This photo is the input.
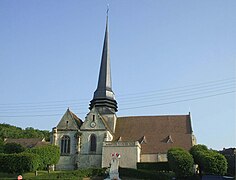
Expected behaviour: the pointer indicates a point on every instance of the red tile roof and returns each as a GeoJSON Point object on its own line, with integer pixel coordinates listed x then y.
{"type": "Point", "coordinates": [156, 134]}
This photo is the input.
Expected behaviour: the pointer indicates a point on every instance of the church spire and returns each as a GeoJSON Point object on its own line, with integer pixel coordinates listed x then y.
{"type": "Point", "coordinates": [104, 96]}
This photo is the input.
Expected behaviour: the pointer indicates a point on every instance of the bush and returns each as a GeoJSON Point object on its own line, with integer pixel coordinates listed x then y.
{"type": "Point", "coordinates": [18, 163]}
{"type": "Point", "coordinates": [158, 166]}
{"type": "Point", "coordinates": [144, 174]}
{"type": "Point", "coordinates": [48, 154]}
{"type": "Point", "coordinates": [181, 162]}
{"type": "Point", "coordinates": [11, 148]}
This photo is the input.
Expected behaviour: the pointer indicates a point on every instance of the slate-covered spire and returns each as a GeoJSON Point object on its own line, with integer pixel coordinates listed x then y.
{"type": "Point", "coordinates": [104, 96]}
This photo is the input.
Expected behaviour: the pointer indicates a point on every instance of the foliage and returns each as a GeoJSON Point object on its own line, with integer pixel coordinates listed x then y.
{"type": "Point", "coordinates": [144, 174]}
{"type": "Point", "coordinates": [209, 161]}
{"type": "Point", "coordinates": [181, 162]}
{"type": "Point", "coordinates": [158, 166]}
{"type": "Point", "coordinates": [213, 163]}
{"type": "Point", "coordinates": [9, 131]}
{"type": "Point", "coordinates": [231, 160]}
{"type": "Point", "coordinates": [18, 163]}
{"type": "Point", "coordinates": [11, 148]}
{"type": "Point", "coordinates": [48, 154]}
{"type": "Point", "coordinates": [1, 146]}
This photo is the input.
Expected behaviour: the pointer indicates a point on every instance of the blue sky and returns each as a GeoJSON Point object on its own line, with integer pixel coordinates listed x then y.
{"type": "Point", "coordinates": [167, 57]}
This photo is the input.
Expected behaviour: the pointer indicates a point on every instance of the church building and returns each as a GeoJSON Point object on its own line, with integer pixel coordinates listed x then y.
{"type": "Point", "coordinates": [90, 142]}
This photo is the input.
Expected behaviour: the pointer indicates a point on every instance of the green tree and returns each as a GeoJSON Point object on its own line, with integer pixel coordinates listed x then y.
{"type": "Point", "coordinates": [9, 131]}
{"type": "Point", "coordinates": [11, 148]}
{"type": "Point", "coordinates": [195, 151]}
{"type": "Point", "coordinates": [209, 161]}
{"type": "Point", "coordinates": [48, 154]}
{"type": "Point", "coordinates": [181, 162]}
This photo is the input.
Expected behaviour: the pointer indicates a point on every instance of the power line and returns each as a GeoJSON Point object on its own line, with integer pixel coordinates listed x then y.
{"type": "Point", "coordinates": [122, 96]}
{"type": "Point", "coordinates": [167, 92]}
{"type": "Point", "coordinates": [184, 100]}
{"type": "Point", "coordinates": [135, 107]}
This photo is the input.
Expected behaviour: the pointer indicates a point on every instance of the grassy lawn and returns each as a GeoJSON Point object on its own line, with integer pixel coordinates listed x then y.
{"type": "Point", "coordinates": [97, 174]}
{"type": "Point", "coordinates": [76, 174]}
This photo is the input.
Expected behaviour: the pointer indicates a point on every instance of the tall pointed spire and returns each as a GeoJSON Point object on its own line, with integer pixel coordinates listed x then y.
{"type": "Point", "coordinates": [104, 96]}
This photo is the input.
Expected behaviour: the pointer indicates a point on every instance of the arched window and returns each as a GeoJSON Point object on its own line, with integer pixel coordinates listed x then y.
{"type": "Point", "coordinates": [65, 145]}
{"type": "Point", "coordinates": [93, 143]}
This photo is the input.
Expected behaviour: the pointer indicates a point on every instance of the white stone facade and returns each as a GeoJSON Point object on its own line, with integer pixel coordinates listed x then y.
{"type": "Point", "coordinates": [67, 161]}
{"type": "Point", "coordinates": [129, 151]}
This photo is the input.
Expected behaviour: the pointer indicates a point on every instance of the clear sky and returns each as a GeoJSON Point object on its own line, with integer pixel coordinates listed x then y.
{"type": "Point", "coordinates": [167, 57]}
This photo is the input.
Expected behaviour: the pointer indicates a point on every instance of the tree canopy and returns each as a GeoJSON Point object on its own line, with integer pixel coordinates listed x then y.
{"type": "Point", "coordinates": [209, 161]}
{"type": "Point", "coordinates": [49, 155]}
{"type": "Point", "coordinates": [181, 162]}
{"type": "Point", "coordinates": [9, 131]}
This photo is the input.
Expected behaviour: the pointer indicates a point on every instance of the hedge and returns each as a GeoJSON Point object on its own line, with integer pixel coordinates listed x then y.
{"type": "Point", "coordinates": [158, 166]}
{"type": "Point", "coordinates": [18, 163]}
{"type": "Point", "coordinates": [144, 174]}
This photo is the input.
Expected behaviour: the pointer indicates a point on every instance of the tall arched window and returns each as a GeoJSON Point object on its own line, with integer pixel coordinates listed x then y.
{"type": "Point", "coordinates": [65, 145]}
{"type": "Point", "coordinates": [93, 143]}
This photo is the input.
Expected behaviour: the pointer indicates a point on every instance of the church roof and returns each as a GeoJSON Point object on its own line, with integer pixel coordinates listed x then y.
{"type": "Point", "coordinates": [156, 134]}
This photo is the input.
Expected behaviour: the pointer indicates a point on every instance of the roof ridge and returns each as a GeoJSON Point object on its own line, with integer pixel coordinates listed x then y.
{"type": "Point", "coordinates": [155, 116]}
{"type": "Point", "coordinates": [103, 120]}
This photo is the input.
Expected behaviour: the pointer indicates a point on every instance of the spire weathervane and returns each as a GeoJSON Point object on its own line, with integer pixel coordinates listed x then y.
{"type": "Point", "coordinates": [107, 9]}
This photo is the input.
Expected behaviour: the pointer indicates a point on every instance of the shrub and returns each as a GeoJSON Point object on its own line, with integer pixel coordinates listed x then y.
{"type": "Point", "coordinates": [181, 162]}
{"type": "Point", "coordinates": [145, 174]}
{"type": "Point", "coordinates": [10, 148]}
{"type": "Point", "coordinates": [18, 163]}
{"type": "Point", "coordinates": [48, 154]}
{"type": "Point", "coordinates": [158, 166]}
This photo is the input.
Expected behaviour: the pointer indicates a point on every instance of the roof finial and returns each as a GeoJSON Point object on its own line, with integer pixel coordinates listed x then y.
{"type": "Point", "coordinates": [107, 9]}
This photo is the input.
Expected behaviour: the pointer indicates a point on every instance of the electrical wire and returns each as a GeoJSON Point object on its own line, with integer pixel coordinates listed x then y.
{"type": "Point", "coordinates": [147, 99]}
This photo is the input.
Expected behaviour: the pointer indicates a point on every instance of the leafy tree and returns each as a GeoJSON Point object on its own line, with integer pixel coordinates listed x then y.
{"type": "Point", "coordinates": [9, 131]}
{"type": "Point", "coordinates": [181, 162]}
{"type": "Point", "coordinates": [197, 156]}
{"type": "Point", "coordinates": [209, 161]}
{"type": "Point", "coordinates": [11, 148]}
{"type": "Point", "coordinates": [231, 160]}
{"type": "Point", "coordinates": [48, 154]}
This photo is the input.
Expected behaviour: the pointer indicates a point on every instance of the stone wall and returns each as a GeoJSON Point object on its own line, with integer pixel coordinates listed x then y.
{"type": "Point", "coordinates": [129, 151]}
{"type": "Point", "coordinates": [66, 162]}
{"type": "Point", "coordinates": [160, 157]}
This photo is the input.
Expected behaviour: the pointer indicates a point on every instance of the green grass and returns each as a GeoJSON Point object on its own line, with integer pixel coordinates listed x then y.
{"type": "Point", "coordinates": [76, 174]}
{"type": "Point", "coordinates": [125, 173]}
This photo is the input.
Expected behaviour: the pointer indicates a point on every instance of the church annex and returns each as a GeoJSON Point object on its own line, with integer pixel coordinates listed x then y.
{"type": "Point", "coordinates": [91, 142]}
